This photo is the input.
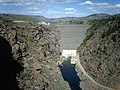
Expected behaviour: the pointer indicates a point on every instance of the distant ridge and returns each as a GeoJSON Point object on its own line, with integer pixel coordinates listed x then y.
{"type": "Point", "coordinates": [97, 16]}
{"type": "Point", "coordinates": [92, 16]}
{"type": "Point", "coordinates": [41, 18]}
{"type": "Point", "coordinates": [13, 17]}
{"type": "Point", "coordinates": [61, 20]}
{"type": "Point", "coordinates": [100, 14]}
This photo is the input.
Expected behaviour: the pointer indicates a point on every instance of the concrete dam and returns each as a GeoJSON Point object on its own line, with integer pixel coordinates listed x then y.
{"type": "Point", "coordinates": [72, 36]}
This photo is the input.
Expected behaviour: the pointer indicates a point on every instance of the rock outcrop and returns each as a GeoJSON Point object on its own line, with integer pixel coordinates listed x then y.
{"type": "Point", "coordinates": [100, 52]}
{"type": "Point", "coordinates": [37, 49]}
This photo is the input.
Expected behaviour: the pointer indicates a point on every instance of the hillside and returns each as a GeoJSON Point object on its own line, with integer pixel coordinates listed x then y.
{"type": "Point", "coordinates": [30, 54]}
{"type": "Point", "coordinates": [79, 20]}
{"type": "Point", "coordinates": [13, 17]}
{"type": "Point", "coordinates": [97, 16]}
{"type": "Point", "coordinates": [72, 20]}
{"type": "Point", "coordinates": [100, 51]}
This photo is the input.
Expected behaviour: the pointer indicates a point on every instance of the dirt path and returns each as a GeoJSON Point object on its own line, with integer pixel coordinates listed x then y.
{"type": "Point", "coordinates": [84, 72]}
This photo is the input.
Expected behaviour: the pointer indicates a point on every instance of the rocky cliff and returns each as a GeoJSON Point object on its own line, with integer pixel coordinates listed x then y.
{"type": "Point", "coordinates": [36, 49]}
{"type": "Point", "coordinates": [100, 52]}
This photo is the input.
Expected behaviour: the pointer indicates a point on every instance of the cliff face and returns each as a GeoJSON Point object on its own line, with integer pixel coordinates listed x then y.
{"type": "Point", "coordinates": [36, 48]}
{"type": "Point", "coordinates": [100, 52]}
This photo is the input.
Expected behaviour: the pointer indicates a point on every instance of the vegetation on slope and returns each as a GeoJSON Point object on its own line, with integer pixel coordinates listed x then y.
{"type": "Point", "coordinates": [13, 17]}
{"type": "Point", "coordinates": [99, 53]}
{"type": "Point", "coordinates": [111, 24]}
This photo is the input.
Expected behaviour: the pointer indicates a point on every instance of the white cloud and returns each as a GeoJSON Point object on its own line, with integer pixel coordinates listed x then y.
{"type": "Point", "coordinates": [32, 8]}
{"type": "Point", "coordinates": [5, 4]}
{"type": "Point", "coordinates": [32, 2]}
{"type": "Point", "coordinates": [93, 4]}
{"type": "Point", "coordinates": [90, 8]}
{"type": "Point", "coordinates": [50, 11]}
{"type": "Point", "coordinates": [35, 12]}
{"type": "Point", "coordinates": [16, 2]}
{"type": "Point", "coordinates": [62, 1]}
{"type": "Point", "coordinates": [12, 1]}
{"type": "Point", "coordinates": [70, 1]}
{"type": "Point", "coordinates": [86, 3]}
{"type": "Point", "coordinates": [11, 11]}
{"type": "Point", "coordinates": [70, 10]}
{"type": "Point", "coordinates": [117, 5]}
{"type": "Point", "coordinates": [101, 7]}
{"type": "Point", "coordinates": [99, 4]}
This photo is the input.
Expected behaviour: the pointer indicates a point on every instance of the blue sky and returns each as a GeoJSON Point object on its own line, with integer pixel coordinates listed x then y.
{"type": "Point", "coordinates": [59, 8]}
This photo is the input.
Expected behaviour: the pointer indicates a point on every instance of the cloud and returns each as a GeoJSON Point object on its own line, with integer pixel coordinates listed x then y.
{"type": "Point", "coordinates": [70, 10]}
{"type": "Point", "coordinates": [32, 8]}
{"type": "Point", "coordinates": [100, 7]}
{"type": "Point", "coordinates": [34, 12]}
{"type": "Point", "coordinates": [89, 8]}
{"type": "Point", "coordinates": [50, 11]}
{"type": "Point", "coordinates": [37, 11]}
{"type": "Point", "coordinates": [93, 4]}
{"type": "Point", "coordinates": [32, 2]}
{"type": "Point", "coordinates": [16, 2]}
{"type": "Point", "coordinates": [10, 1]}
{"type": "Point", "coordinates": [70, 1]}
{"type": "Point", "coordinates": [117, 5]}
{"type": "Point", "coordinates": [62, 1]}
{"type": "Point", "coordinates": [11, 12]}
{"type": "Point", "coordinates": [86, 3]}
{"type": "Point", "coordinates": [101, 4]}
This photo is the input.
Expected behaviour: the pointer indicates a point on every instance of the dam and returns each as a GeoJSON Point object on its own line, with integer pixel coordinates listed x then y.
{"type": "Point", "coordinates": [72, 36]}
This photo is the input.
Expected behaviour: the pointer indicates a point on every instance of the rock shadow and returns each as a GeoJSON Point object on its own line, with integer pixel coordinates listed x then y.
{"type": "Point", "coordinates": [9, 68]}
{"type": "Point", "coordinates": [70, 75]}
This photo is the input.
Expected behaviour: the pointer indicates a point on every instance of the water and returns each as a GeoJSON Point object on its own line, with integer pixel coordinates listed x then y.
{"type": "Point", "coordinates": [70, 75]}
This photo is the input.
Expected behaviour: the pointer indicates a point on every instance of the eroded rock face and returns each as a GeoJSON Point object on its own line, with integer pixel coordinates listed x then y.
{"type": "Point", "coordinates": [100, 52]}
{"type": "Point", "coordinates": [37, 49]}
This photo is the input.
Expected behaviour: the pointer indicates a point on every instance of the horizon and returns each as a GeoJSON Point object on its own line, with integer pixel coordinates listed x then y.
{"type": "Point", "coordinates": [57, 17]}
{"type": "Point", "coordinates": [59, 8]}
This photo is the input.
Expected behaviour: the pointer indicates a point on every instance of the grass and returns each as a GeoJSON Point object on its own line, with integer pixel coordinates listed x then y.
{"type": "Point", "coordinates": [12, 17]}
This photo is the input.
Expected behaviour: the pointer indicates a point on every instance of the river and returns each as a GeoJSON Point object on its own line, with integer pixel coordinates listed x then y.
{"type": "Point", "coordinates": [70, 75]}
